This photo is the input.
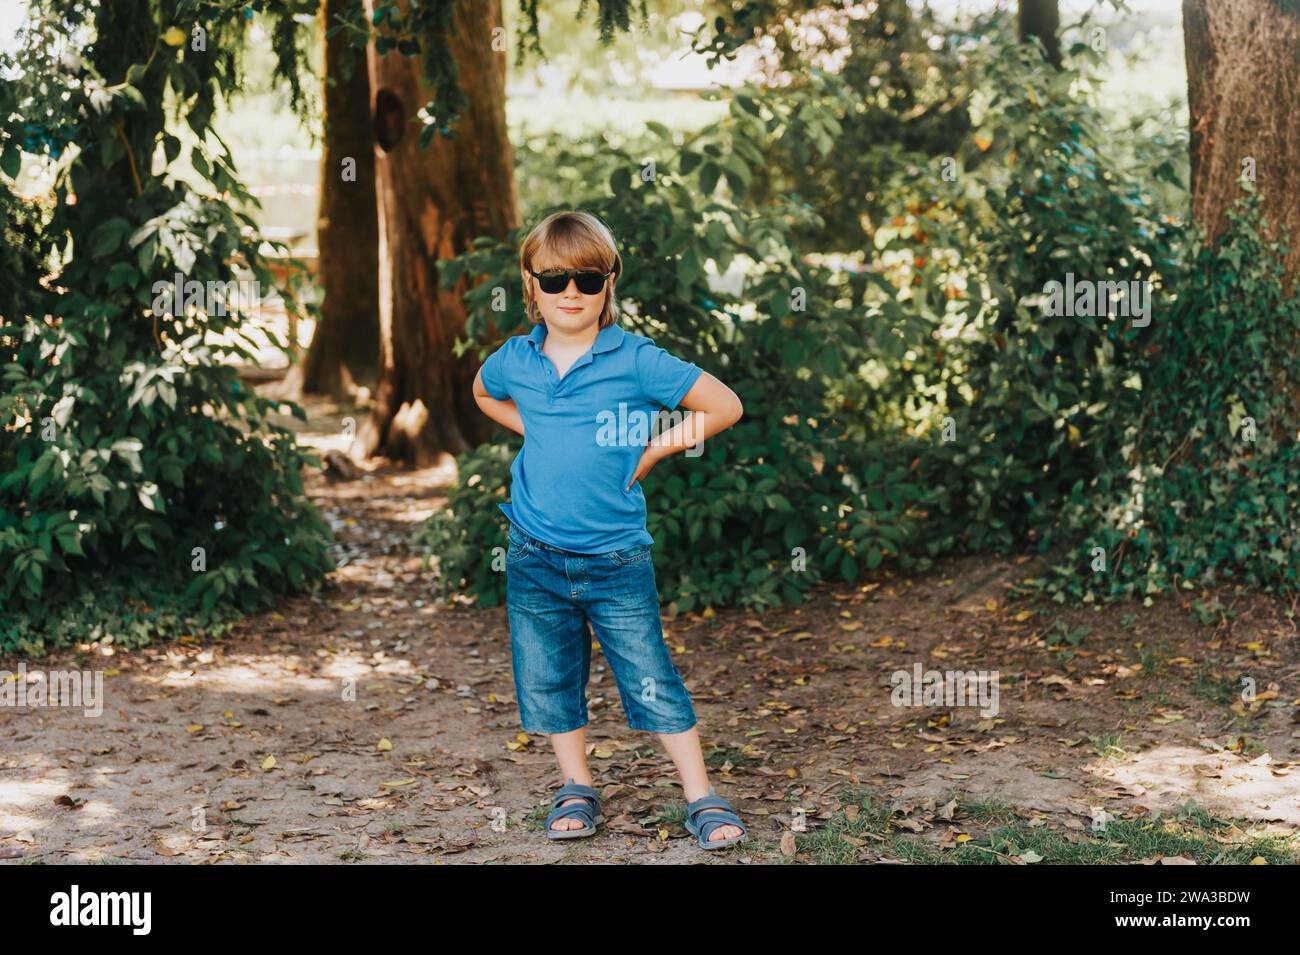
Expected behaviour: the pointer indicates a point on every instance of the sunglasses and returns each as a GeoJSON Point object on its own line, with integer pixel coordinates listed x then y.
{"type": "Point", "coordinates": [554, 281]}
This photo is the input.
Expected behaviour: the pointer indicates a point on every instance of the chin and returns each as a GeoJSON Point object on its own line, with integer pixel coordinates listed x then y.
{"type": "Point", "coordinates": [573, 320]}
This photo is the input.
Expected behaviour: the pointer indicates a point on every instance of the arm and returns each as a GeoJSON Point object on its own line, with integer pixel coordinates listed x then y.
{"type": "Point", "coordinates": [504, 413]}
{"type": "Point", "coordinates": [714, 408]}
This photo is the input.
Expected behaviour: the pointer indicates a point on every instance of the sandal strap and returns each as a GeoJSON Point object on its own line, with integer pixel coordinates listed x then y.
{"type": "Point", "coordinates": [709, 802]}
{"type": "Point", "coordinates": [723, 814]}
{"type": "Point", "coordinates": [574, 790]}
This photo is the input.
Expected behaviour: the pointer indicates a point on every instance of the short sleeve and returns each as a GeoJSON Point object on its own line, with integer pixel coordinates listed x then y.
{"type": "Point", "coordinates": [493, 374]}
{"type": "Point", "coordinates": [664, 377]}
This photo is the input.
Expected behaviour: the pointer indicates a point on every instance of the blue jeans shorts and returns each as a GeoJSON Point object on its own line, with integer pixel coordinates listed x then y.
{"type": "Point", "coordinates": [551, 597]}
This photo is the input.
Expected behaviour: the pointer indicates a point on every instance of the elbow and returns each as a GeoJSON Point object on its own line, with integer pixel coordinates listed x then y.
{"type": "Point", "coordinates": [737, 412]}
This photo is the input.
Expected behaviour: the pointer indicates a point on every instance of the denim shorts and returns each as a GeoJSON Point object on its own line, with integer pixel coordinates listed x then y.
{"type": "Point", "coordinates": [551, 597]}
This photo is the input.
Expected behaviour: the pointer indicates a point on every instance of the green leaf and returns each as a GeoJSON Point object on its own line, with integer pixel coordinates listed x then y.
{"type": "Point", "coordinates": [171, 148]}
{"type": "Point", "coordinates": [11, 161]}
{"type": "Point", "coordinates": [107, 236]}
{"type": "Point", "coordinates": [710, 172]}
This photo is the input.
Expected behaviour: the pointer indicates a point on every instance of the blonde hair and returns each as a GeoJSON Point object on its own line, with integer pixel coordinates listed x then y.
{"type": "Point", "coordinates": [572, 240]}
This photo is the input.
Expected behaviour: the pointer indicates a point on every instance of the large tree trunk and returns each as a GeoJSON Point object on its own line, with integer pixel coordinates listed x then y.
{"type": "Point", "coordinates": [432, 203]}
{"type": "Point", "coordinates": [1042, 18]}
{"type": "Point", "coordinates": [1243, 78]}
{"type": "Point", "coordinates": [345, 347]}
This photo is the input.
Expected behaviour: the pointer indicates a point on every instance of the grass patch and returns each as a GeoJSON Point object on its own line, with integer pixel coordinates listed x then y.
{"type": "Point", "coordinates": [1107, 746]}
{"type": "Point", "coordinates": [1210, 684]}
{"type": "Point", "coordinates": [868, 828]}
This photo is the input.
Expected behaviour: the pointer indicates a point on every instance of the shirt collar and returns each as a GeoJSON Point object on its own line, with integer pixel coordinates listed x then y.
{"type": "Point", "coordinates": [609, 337]}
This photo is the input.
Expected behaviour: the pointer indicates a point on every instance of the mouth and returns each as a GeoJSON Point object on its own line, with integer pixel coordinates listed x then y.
{"type": "Point", "coordinates": [570, 308]}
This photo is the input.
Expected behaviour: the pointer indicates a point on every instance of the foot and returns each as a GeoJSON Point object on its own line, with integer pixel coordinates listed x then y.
{"type": "Point", "coordinates": [721, 832]}
{"type": "Point", "coordinates": [570, 822]}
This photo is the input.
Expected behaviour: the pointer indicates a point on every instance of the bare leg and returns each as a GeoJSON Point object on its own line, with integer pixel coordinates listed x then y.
{"type": "Point", "coordinates": [684, 750]}
{"type": "Point", "coordinates": [571, 751]}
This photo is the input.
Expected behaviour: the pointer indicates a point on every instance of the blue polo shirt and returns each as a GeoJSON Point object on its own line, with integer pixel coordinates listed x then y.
{"type": "Point", "coordinates": [584, 434]}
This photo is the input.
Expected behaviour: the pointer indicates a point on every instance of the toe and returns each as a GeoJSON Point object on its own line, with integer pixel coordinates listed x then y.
{"type": "Point", "coordinates": [724, 832]}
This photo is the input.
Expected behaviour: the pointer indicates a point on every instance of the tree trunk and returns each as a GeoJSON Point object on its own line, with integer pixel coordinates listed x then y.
{"type": "Point", "coordinates": [1041, 18]}
{"type": "Point", "coordinates": [432, 203]}
{"type": "Point", "coordinates": [345, 347]}
{"type": "Point", "coordinates": [1243, 74]}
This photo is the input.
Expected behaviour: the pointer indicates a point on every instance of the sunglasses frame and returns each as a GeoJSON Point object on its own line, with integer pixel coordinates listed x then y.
{"type": "Point", "coordinates": [569, 275]}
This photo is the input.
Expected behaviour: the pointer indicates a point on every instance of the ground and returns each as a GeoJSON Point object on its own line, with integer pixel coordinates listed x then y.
{"type": "Point", "coordinates": [252, 748]}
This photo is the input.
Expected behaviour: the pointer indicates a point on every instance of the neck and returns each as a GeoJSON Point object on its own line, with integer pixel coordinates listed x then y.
{"type": "Point", "coordinates": [569, 339]}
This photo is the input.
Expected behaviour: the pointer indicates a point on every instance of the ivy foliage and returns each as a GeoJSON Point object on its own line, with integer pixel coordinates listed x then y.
{"type": "Point", "coordinates": [143, 487]}
{"type": "Point", "coordinates": [1208, 488]}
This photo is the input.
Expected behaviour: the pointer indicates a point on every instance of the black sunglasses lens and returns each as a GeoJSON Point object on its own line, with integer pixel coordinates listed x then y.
{"type": "Point", "coordinates": [589, 283]}
{"type": "Point", "coordinates": [552, 282]}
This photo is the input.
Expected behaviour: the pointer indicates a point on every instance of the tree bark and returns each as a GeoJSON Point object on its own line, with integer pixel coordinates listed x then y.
{"type": "Point", "coordinates": [432, 203]}
{"type": "Point", "coordinates": [1041, 18]}
{"type": "Point", "coordinates": [1243, 80]}
{"type": "Point", "coordinates": [345, 347]}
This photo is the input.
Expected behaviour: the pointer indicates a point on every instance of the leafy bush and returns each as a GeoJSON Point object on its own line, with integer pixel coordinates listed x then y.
{"type": "Point", "coordinates": [1036, 403]}
{"type": "Point", "coordinates": [1208, 489]}
{"type": "Point", "coordinates": [906, 101]}
{"type": "Point", "coordinates": [144, 489]}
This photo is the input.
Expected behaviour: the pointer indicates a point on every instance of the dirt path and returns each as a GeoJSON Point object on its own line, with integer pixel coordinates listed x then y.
{"type": "Point", "coordinates": [794, 707]}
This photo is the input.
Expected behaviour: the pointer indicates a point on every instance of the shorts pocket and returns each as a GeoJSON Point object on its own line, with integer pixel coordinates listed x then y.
{"type": "Point", "coordinates": [630, 555]}
{"type": "Point", "coordinates": [518, 550]}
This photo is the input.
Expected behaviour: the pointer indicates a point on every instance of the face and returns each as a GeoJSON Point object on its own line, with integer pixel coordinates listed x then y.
{"type": "Point", "coordinates": [569, 309]}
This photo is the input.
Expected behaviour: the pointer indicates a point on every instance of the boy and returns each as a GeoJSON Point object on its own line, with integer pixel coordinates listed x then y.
{"type": "Point", "coordinates": [579, 550]}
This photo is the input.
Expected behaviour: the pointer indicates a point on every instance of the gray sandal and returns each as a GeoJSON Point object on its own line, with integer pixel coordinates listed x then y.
{"type": "Point", "coordinates": [706, 822]}
{"type": "Point", "coordinates": [587, 812]}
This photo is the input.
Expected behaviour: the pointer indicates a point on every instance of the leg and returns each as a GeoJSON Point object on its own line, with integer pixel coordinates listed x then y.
{"type": "Point", "coordinates": [571, 752]}
{"type": "Point", "coordinates": [684, 750]}
{"type": "Point", "coordinates": [624, 612]}
{"type": "Point", "coordinates": [551, 654]}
